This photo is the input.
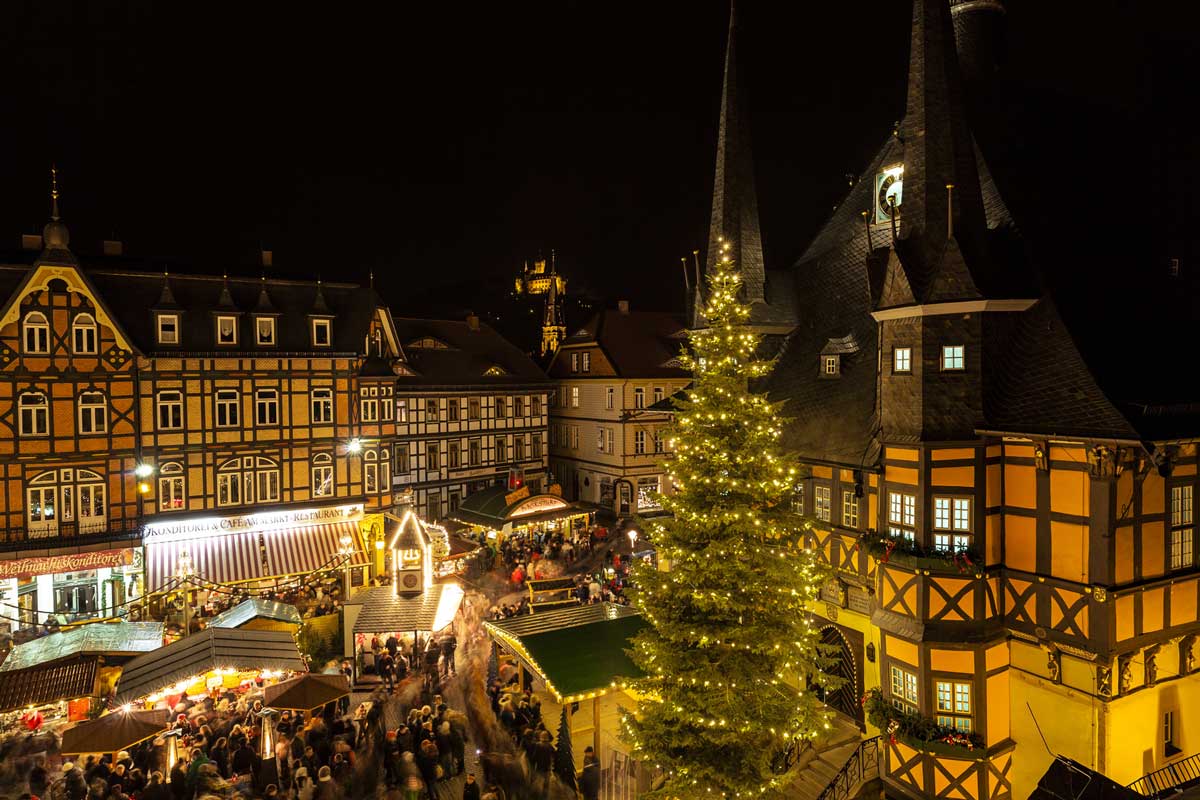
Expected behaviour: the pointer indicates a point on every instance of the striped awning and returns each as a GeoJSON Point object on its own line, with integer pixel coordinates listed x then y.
{"type": "Point", "coordinates": [230, 558]}
{"type": "Point", "coordinates": [297, 551]}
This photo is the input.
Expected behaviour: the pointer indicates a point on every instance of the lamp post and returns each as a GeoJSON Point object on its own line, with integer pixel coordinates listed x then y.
{"type": "Point", "coordinates": [184, 573]}
{"type": "Point", "coordinates": [346, 550]}
{"type": "Point", "coordinates": [633, 537]}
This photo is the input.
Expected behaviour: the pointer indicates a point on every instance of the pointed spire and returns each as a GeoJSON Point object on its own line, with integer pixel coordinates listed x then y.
{"type": "Point", "coordinates": [56, 239]}
{"type": "Point", "coordinates": [938, 147]}
{"type": "Point", "coordinates": [264, 299]}
{"type": "Point", "coordinates": [225, 300]}
{"type": "Point", "coordinates": [167, 298]}
{"type": "Point", "coordinates": [319, 305]}
{"type": "Point", "coordinates": [735, 201]}
{"type": "Point", "coordinates": [54, 193]}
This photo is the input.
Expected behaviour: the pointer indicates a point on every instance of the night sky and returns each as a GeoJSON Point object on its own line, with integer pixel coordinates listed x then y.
{"type": "Point", "coordinates": [444, 144]}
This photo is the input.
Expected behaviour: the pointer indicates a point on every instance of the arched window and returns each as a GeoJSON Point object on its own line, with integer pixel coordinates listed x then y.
{"type": "Point", "coordinates": [66, 496]}
{"type": "Point", "coordinates": [266, 474]}
{"type": "Point", "coordinates": [33, 414]}
{"type": "Point", "coordinates": [229, 483]}
{"type": "Point", "coordinates": [170, 487]}
{"type": "Point", "coordinates": [84, 335]}
{"type": "Point", "coordinates": [247, 480]}
{"type": "Point", "coordinates": [322, 475]}
{"type": "Point", "coordinates": [35, 333]}
{"type": "Point", "coordinates": [371, 473]}
{"type": "Point", "coordinates": [93, 413]}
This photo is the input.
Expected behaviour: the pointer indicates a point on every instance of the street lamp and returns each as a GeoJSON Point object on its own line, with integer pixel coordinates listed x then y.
{"type": "Point", "coordinates": [354, 445]}
{"type": "Point", "coordinates": [633, 537]}
{"type": "Point", "coordinates": [347, 550]}
{"type": "Point", "coordinates": [184, 572]}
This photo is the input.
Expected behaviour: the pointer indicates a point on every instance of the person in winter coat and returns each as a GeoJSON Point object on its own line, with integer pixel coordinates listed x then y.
{"type": "Point", "coordinates": [39, 779]}
{"type": "Point", "coordinates": [589, 780]}
{"type": "Point", "coordinates": [471, 788]}
{"type": "Point", "coordinates": [179, 780]}
{"type": "Point", "coordinates": [156, 789]}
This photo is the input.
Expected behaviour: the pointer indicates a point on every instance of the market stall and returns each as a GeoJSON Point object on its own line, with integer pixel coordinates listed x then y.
{"type": "Point", "coordinates": [257, 614]}
{"type": "Point", "coordinates": [499, 514]}
{"type": "Point", "coordinates": [114, 732]}
{"type": "Point", "coordinates": [576, 654]}
{"type": "Point", "coordinates": [71, 668]}
{"type": "Point", "coordinates": [216, 659]}
{"type": "Point", "coordinates": [306, 692]}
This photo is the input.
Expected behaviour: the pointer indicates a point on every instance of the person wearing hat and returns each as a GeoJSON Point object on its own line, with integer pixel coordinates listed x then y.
{"type": "Point", "coordinates": [303, 783]}
{"type": "Point", "coordinates": [326, 788]}
{"type": "Point", "coordinates": [471, 788]}
{"type": "Point", "coordinates": [589, 779]}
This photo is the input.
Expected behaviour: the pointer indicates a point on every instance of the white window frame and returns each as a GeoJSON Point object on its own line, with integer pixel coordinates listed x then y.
{"type": "Point", "coordinates": [952, 701]}
{"type": "Point", "coordinates": [659, 393]}
{"type": "Point", "coordinates": [952, 523]}
{"type": "Point", "coordinates": [33, 413]}
{"type": "Point", "coordinates": [609, 436]}
{"type": "Point", "coordinates": [93, 415]}
{"type": "Point", "coordinates": [902, 360]}
{"type": "Point", "coordinates": [823, 502]}
{"type": "Point", "coordinates": [325, 325]}
{"type": "Point", "coordinates": [164, 336]}
{"type": "Point", "coordinates": [368, 404]}
{"type": "Point", "coordinates": [171, 487]}
{"type": "Point", "coordinates": [954, 358]}
{"type": "Point", "coordinates": [320, 404]}
{"type": "Point", "coordinates": [1182, 553]}
{"type": "Point", "coordinates": [849, 509]}
{"type": "Point", "coordinates": [829, 365]}
{"type": "Point", "coordinates": [233, 320]}
{"type": "Point", "coordinates": [230, 484]}
{"type": "Point", "coordinates": [574, 437]}
{"type": "Point", "coordinates": [266, 408]}
{"type": "Point", "coordinates": [797, 498]}
{"type": "Point", "coordinates": [259, 339]}
{"type": "Point", "coordinates": [322, 475]}
{"type": "Point", "coordinates": [402, 409]}
{"type": "Point", "coordinates": [168, 410]}
{"type": "Point", "coordinates": [371, 472]}
{"type": "Point", "coordinates": [586, 361]}
{"type": "Point", "coordinates": [574, 362]}
{"type": "Point", "coordinates": [902, 515]}
{"type": "Point", "coordinates": [906, 691]}
{"type": "Point", "coordinates": [659, 444]}
{"type": "Point", "coordinates": [267, 485]}
{"type": "Point", "coordinates": [639, 443]}
{"type": "Point", "coordinates": [574, 397]}
{"type": "Point", "coordinates": [227, 405]}
{"type": "Point", "coordinates": [35, 334]}
{"type": "Point", "coordinates": [609, 394]}
{"type": "Point", "coordinates": [83, 326]}
{"type": "Point", "coordinates": [639, 397]}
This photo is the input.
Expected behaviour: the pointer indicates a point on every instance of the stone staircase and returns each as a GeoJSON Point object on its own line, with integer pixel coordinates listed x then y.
{"type": "Point", "coordinates": [821, 764]}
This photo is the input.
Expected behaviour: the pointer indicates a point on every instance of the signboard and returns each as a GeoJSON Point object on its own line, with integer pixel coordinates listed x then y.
{"type": "Point", "coordinates": [555, 489]}
{"type": "Point", "coordinates": [74, 562]}
{"type": "Point", "coordinates": [538, 504]}
{"type": "Point", "coordinates": [215, 526]}
{"type": "Point", "coordinates": [519, 494]}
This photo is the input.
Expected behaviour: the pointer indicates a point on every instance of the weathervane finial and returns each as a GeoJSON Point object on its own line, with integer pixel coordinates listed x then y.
{"type": "Point", "coordinates": [54, 193]}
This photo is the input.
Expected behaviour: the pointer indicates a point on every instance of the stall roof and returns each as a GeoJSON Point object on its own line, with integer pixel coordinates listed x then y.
{"type": "Point", "coordinates": [460, 546]}
{"type": "Point", "coordinates": [256, 608]}
{"type": "Point", "coordinates": [307, 692]}
{"type": "Point", "coordinates": [384, 612]}
{"type": "Point", "coordinates": [212, 648]}
{"type": "Point", "coordinates": [114, 732]}
{"type": "Point", "coordinates": [49, 683]}
{"type": "Point", "coordinates": [496, 506]}
{"type": "Point", "coordinates": [97, 638]}
{"type": "Point", "coordinates": [576, 650]}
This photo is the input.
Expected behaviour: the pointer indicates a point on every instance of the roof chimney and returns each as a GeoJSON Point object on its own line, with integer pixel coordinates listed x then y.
{"type": "Point", "coordinates": [623, 306]}
{"type": "Point", "coordinates": [266, 257]}
{"type": "Point", "coordinates": [113, 248]}
{"type": "Point", "coordinates": [31, 241]}
{"type": "Point", "coordinates": [472, 321]}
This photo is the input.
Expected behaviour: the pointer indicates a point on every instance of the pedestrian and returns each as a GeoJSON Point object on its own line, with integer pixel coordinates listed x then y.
{"type": "Point", "coordinates": [589, 779]}
{"type": "Point", "coordinates": [471, 788]}
{"type": "Point", "coordinates": [449, 646]}
{"type": "Point", "coordinates": [156, 789]}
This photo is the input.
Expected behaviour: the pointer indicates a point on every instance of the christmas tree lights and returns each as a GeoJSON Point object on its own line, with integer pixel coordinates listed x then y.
{"type": "Point", "coordinates": [731, 640]}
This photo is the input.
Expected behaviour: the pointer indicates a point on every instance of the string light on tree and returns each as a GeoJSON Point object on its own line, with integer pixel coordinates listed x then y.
{"type": "Point", "coordinates": [730, 638]}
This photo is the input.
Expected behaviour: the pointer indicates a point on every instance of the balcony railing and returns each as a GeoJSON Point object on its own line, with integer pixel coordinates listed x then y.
{"type": "Point", "coordinates": [1171, 779]}
{"type": "Point", "coordinates": [55, 534]}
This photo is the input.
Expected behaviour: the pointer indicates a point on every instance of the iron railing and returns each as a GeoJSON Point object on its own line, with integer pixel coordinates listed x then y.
{"type": "Point", "coordinates": [74, 532]}
{"type": "Point", "coordinates": [862, 765]}
{"type": "Point", "coordinates": [1172, 778]}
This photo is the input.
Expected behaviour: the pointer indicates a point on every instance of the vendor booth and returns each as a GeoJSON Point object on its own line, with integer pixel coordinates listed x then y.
{"type": "Point", "coordinates": [452, 551]}
{"type": "Point", "coordinates": [500, 514]}
{"type": "Point", "coordinates": [575, 655]}
{"type": "Point", "coordinates": [412, 609]}
{"type": "Point", "coordinates": [257, 614]}
{"type": "Point", "coordinates": [71, 668]}
{"type": "Point", "coordinates": [216, 659]}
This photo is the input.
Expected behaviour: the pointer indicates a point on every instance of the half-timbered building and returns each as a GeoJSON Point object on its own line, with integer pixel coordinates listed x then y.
{"type": "Point", "coordinates": [1012, 530]}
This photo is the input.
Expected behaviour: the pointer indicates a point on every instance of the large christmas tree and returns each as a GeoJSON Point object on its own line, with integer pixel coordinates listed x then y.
{"type": "Point", "coordinates": [730, 636]}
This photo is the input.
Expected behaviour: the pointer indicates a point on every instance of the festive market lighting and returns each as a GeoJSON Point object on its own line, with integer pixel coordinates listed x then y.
{"type": "Point", "coordinates": [143, 470]}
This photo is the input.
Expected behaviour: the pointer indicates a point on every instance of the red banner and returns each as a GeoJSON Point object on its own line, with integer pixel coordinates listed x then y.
{"type": "Point", "coordinates": [75, 562]}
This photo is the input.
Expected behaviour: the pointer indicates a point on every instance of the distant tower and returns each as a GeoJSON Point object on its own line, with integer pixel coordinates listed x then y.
{"type": "Point", "coordinates": [537, 281]}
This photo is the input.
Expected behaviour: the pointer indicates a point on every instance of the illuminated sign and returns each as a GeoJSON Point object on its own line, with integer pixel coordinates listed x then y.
{"type": "Point", "coordinates": [74, 562]}
{"type": "Point", "coordinates": [519, 494]}
{"type": "Point", "coordinates": [216, 526]}
{"type": "Point", "coordinates": [534, 505]}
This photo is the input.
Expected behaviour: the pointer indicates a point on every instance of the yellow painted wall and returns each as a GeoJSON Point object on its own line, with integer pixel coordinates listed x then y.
{"type": "Point", "coordinates": [1020, 542]}
{"type": "Point", "coordinates": [1020, 486]}
{"type": "Point", "coordinates": [953, 476]}
{"type": "Point", "coordinates": [903, 475]}
{"type": "Point", "coordinates": [902, 650]}
{"type": "Point", "coordinates": [1069, 492]}
{"type": "Point", "coordinates": [1069, 551]}
{"type": "Point", "coordinates": [1066, 718]}
{"type": "Point", "coordinates": [900, 453]}
{"type": "Point", "coordinates": [953, 453]}
{"type": "Point", "coordinates": [1134, 725]}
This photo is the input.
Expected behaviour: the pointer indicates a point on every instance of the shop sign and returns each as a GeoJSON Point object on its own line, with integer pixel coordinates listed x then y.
{"type": "Point", "coordinates": [555, 489]}
{"type": "Point", "coordinates": [214, 526]}
{"type": "Point", "coordinates": [519, 494]}
{"type": "Point", "coordinates": [73, 562]}
{"type": "Point", "coordinates": [538, 504]}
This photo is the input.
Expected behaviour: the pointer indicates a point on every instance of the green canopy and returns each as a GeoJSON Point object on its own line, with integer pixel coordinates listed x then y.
{"type": "Point", "coordinates": [576, 651]}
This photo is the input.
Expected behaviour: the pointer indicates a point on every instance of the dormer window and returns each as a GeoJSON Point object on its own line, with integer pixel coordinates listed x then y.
{"type": "Point", "coordinates": [831, 366]}
{"type": "Point", "coordinates": [953, 358]}
{"type": "Point", "coordinates": [168, 329]}
{"type": "Point", "coordinates": [226, 330]}
{"type": "Point", "coordinates": [264, 331]}
{"type": "Point", "coordinates": [587, 362]}
{"type": "Point", "coordinates": [322, 332]}
{"type": "Point", "coordinates": [35, 333]}
{"type": "Point", "coordinates": [902, 359]}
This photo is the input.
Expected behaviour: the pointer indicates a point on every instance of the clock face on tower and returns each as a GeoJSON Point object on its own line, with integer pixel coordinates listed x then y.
{"type": "Point", "coordinates": [889, 193]}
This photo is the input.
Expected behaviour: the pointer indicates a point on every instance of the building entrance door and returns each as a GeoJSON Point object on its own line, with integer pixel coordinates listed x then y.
{"type": "Point", "coordinates": [625, 492]}
{"type": "Point", "coordinates": [844, 696]}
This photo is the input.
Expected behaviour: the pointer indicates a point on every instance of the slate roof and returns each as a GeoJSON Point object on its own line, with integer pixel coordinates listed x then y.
{"type": "Point", "coordinates": [108, 639]}
{"type": "Point", "coordinates": [637, 343]}
{"type": "Point", "coordinates": [49, 683]}
{"type": "Point", "coordinates": [384, 612]}
{"type": "Point", "coordinates": [470, 353]}
{"type": "Point", "coordinates": [256, 608]}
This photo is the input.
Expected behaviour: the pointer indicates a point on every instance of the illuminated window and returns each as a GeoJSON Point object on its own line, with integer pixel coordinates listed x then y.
{"type": "Point", "coordinates": [264, 330]}
{"type": "Point", "coordinates": [574, 397]}
{"type": "Point", "coordinates": [226, 330]}
{"type": "Point", "coordinates": [322, 405]}
{"type": "Point", "coordinates": [902, 515]}
{"type": "Point", "coordinates": [93, 413]}
{"type": "Point", "coordinates": [266, 407]}
{"type": "Point", "coordinates": [954, 705]}
{"type": "Point", "coordinates": [1183, 552]}
{"type": "Point", "coordinates": [952, 514]}
{"type": "Point", "coordinates": [83, 335]}
{"type": "Point", "coordinates": [574, 362]}
{"type": "Point", "coordinates": [35, 333]}
{"type": "Point", "coordinates": [849, 509]}
{"type": "Point", "coordinates": [831, 365]}
{"type": "Point", "coordinates": [952, 357]}
{"type": "Point", "coordinates": [586, 362]}
{"type": "Point", "coordinates": [228, 408]}
{"type": "Point", "coordinates": [371, 473]}
{"type": "Point", "coordinates": [168, 329]}
{"type": "Point", "coordinates": [33, 414]}
{"type": "Point", "coordinates": [322, 332]}
{"type": "Point", "coordinates": [824, 503]}
{"type": "Point", "coordinates": [798, 498]}
{"type": "Point", "coordinates": [639, 442]}
{"type": "Point", "coordinates": [170, 487]}
{"type": "Point", "coordinates": [322, 475]}
{"type": "Point", "coordinates": [647, 493]}
{"type": "Point", "coordinates": [904, 690]}
{"type": "Point", "coordinates": [902, 359]}
{"type": "Point", "coordinates": [170, 410]}
{"type": "Point", "coordinates": [402, 410]}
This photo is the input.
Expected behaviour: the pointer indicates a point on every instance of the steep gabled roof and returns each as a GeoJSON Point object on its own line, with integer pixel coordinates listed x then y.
{"type": "Point", "coordinates": [468, 356]}
{"type": "Point", "coordinates": [638, 344]}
